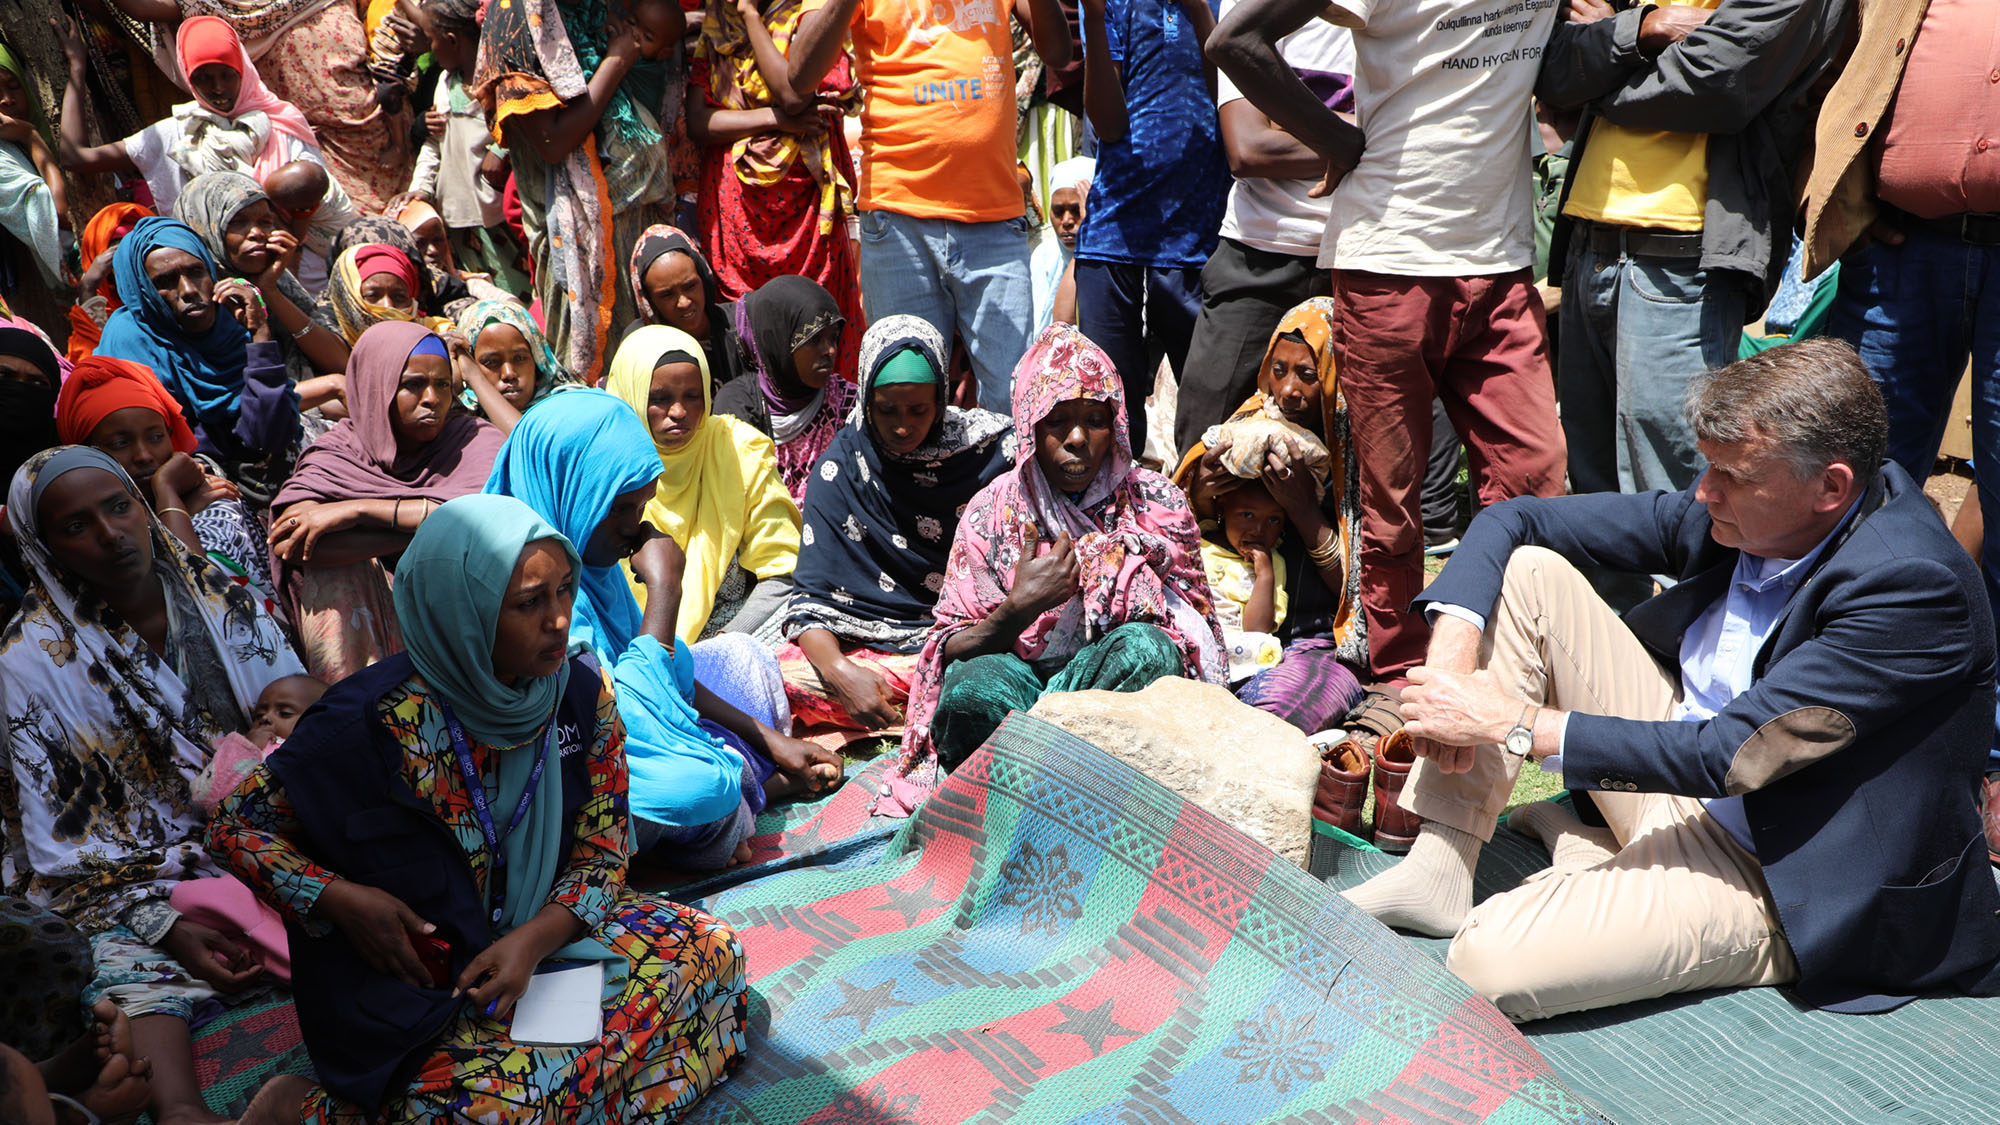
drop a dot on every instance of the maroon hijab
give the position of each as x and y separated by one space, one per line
358 459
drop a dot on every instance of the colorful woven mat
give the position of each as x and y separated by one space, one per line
1055 938
1751 1056
832 830
238 1050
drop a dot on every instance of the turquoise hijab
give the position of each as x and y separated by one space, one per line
449 586
568 459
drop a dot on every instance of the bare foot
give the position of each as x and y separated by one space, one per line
121 1090
802 767
741 855
280 1102
123 1084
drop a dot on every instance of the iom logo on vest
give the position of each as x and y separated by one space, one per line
568 739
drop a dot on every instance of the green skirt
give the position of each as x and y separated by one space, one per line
977 693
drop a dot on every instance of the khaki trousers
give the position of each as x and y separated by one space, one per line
1681 906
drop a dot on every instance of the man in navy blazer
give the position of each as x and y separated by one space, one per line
1785 745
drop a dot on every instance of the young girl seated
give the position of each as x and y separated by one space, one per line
1247 574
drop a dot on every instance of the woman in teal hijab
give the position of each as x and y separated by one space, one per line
510 366
703 722
410 945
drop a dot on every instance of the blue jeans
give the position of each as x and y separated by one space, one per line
1635 333
1917 312
1137 314
968 279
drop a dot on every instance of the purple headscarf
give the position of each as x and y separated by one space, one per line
359 460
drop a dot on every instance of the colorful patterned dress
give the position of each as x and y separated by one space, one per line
671 1028
776 204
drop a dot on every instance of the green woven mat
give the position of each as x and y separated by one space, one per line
1739 1057
239 1050
1056 939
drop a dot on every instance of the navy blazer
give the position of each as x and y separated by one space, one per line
1858 748
342 771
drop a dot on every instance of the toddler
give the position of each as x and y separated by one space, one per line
1240 554
314 208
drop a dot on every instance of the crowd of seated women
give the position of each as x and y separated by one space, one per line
366 621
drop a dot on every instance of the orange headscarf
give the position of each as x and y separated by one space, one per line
99 234
99 386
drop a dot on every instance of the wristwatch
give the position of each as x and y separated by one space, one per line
1521 739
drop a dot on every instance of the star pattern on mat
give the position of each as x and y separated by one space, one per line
862 1005
873 1106
909 903
1093 1025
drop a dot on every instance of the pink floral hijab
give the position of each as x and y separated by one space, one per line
1136 540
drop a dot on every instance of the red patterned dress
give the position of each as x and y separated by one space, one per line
775 204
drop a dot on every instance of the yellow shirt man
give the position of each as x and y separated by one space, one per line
1642 177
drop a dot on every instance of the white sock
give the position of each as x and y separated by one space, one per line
1430 891
1573 845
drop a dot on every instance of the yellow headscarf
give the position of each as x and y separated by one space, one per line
720 497
354 315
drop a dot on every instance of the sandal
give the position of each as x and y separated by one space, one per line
1376 717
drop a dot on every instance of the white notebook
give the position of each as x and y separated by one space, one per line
563 1006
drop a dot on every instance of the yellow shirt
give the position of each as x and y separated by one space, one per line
1642 177
1232 579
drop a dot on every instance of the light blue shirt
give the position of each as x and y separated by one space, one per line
1719 651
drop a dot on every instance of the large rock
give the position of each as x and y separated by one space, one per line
1253 770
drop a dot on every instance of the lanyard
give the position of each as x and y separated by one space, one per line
484 813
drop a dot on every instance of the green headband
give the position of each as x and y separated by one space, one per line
906 366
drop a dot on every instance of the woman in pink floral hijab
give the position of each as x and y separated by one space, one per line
1077 570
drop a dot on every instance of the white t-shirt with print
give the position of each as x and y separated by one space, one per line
1442 91
151 151
1281 215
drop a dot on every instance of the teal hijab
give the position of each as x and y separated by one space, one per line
450 584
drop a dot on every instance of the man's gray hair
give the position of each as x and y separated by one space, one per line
1814 400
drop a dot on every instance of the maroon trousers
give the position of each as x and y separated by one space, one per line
1480 344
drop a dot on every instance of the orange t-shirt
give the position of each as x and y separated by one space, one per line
937 121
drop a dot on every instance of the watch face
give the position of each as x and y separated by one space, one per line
1519 742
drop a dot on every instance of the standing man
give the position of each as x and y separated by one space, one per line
1161 184
1680 188
1431 240
1267 259
1905 194
943 229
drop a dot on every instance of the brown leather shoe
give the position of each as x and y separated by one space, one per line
1989 812
1343 786
1395 827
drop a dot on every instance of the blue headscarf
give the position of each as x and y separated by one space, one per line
204 372
568 459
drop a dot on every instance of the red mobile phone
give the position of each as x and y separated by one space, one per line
435 953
